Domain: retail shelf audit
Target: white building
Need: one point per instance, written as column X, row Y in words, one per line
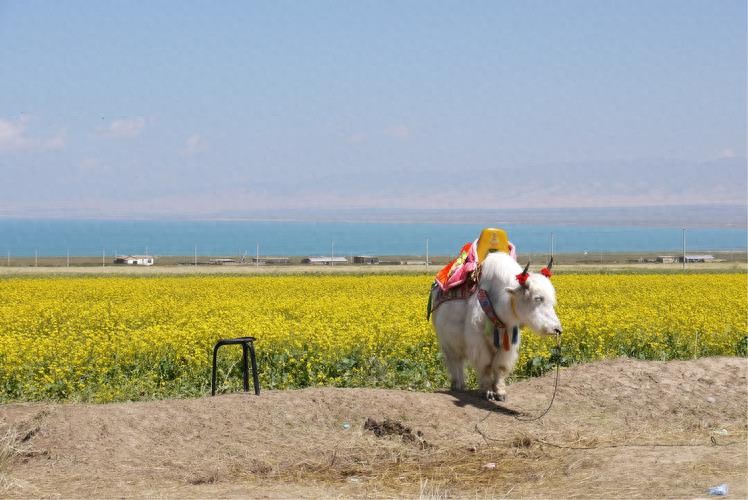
column 222, row 261
column 365, row 259
column 270, row 260
column 697, row 258
column 324, row 261
column 135, row 260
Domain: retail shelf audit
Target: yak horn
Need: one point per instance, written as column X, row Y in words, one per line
column 527, row 268
column 550, row 264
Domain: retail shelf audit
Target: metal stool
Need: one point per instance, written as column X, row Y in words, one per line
column 247, row 343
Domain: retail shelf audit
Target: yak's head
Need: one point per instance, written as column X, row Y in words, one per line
column 534, row 301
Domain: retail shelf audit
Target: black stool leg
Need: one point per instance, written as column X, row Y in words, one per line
column 245, row 367
column 213, row 379
column 255, row 376
column 247, row 344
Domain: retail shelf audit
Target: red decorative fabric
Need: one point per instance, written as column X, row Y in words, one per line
column 458, row 271
column 522, row 278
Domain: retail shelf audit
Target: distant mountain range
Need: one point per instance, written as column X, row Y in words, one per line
column 688, row 216
column 670, row 216
column 645, row 192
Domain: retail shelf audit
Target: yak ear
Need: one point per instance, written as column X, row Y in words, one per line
column 512, row 290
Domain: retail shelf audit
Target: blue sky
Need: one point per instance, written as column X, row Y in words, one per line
column 196, row 108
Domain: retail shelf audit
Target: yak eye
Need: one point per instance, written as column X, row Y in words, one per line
column 539, row 299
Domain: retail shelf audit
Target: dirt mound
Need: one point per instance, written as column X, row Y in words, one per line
column 394, row 428
column 620, row 428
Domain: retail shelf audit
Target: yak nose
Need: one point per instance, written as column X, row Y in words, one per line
column 557, row 331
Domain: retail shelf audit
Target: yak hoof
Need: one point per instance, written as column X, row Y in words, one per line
column 456, row 387
column 495, row 396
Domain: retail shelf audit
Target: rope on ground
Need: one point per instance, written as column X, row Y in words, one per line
column 557, row 355
column 487, row 439
column 712, row 442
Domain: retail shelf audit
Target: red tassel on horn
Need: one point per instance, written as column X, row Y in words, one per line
column 522, row 277
column 546, row 271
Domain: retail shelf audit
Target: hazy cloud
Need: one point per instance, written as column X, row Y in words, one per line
column 195, row 144
column 55, row 142
column 726, row 153
column 357, row 138
column 12, row 135
column 87, row 165
column 399, row 132
column 15, row 137
column 125, row 128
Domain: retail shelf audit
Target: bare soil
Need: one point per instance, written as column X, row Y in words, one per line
column 617, row 429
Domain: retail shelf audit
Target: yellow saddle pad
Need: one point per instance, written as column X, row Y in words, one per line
column 490, row 240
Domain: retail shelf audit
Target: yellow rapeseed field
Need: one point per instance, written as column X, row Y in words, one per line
column 121, row 338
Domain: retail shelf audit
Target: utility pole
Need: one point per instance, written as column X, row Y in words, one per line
column 257, row 256
column 332, row 255
column 427, row 254
column 36, row 258
column 67, row 263
column 683, row 238
column 195, row 256
column 103, row 256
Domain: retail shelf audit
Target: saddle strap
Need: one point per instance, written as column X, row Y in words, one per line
column 487, row 306
column 500, row 334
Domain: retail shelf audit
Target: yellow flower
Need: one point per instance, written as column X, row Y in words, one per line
column 119, row 338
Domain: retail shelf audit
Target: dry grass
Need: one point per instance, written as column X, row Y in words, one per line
column 501, row 468
column 14, row 445
column 614, row 432
column 8, row 452
column 539, row 458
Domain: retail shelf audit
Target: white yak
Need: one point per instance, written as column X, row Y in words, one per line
column 465, row 331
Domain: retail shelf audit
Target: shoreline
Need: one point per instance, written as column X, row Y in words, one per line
column 204, row 269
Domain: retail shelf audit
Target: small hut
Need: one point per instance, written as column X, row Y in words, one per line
column 134, row 260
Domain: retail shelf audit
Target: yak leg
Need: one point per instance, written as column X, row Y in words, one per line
column 481, row 361
column 500, row 385
column 449, row 323
column 481, row 353
column 456, row 366
column 503, row 365
column 501, row 372
column 490, row 384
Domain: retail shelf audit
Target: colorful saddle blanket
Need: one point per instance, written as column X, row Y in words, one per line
column 458, row 279
column 455, row 293
column 460, row 269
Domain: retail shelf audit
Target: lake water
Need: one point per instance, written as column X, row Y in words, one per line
column 23, row 237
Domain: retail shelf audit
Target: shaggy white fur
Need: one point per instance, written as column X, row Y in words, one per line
column 465, row 333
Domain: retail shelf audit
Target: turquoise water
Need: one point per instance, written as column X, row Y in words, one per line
column 20, row 237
